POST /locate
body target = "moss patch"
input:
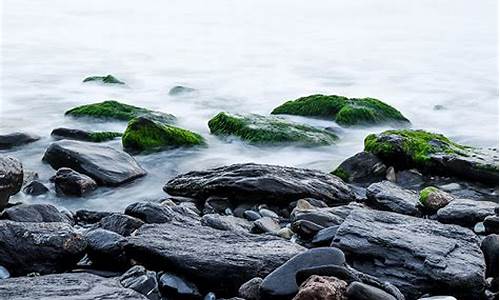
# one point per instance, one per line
(112, 109)
(143, 134)
(108, 79)
(103, 136)
(341, 173)
(259, 129)
(345, 111)
(424, 194)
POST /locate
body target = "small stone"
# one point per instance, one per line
(306, 229)
(479, 228)
(11, 179)
(489, 246)
(175, 287)
(210, 296)
(438, 298)
(35, 213)
(432, 199)
(361, 291)
(142, 281)
(4, 273)
(71, 183)
(267, 224)
(268, 213)
(325, 236)
(216, 205)
(250, 290)
(322, 288)
(35, 188)
(122, 224)
(251, 215)
(106, 248)
(285, 233)
(450, 187)
(390, 174)
(303, 204)
(491, 224)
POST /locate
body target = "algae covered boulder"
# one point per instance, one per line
(433, 153)
(108, 79)
(432, 198)
(257, 129)
(345, 111)
(112, 109)
(144, 134)
(82, 135)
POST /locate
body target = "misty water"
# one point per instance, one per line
(243, 56)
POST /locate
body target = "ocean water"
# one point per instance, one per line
(243, 56)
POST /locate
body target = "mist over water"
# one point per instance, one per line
(243, 56)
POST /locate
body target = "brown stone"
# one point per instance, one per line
(322, 288)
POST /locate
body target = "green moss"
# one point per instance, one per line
(424, 194)
(259, 129)
(109, 79)
(103, 136)
(342, 174)
(143, 134)
(345, 111)
(112, 109)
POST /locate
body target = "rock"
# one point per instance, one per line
(144, 134)
(267, 224)
(11, 178)
(206, 256)
(268, 213)
(435, 154)
(210, 296)
(108, 79)
(82, 135)
(325, 236)
(466, 212)
(285, 233)
(345, 111)
(438, 298)
(361, 291)
(364, 167)
(390, 174)
(226, 222)
(322, 217)
(176, 287)
(250, 290)
(70, 286)
(106, 249)
(4, 273)
(322, 288)
(432, 198)
(83, 216)
(216, 205)
(489, 246)
(306, 229)
(122, 224)
(151, 212)
(251, 215)
(410, 179)
(263, 183)
(180, 90)
(35, 213)
(35, 188)
(434, 257)
(281, 284)
(11, 140)
(479, 228)
(451, 187)
(388, 196)
(104, 164)
(45, 247)
(491, 224)
(114, 110)
(142, 281)
(258, 129)
(72, 183)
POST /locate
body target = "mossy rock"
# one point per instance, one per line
(146, 135)
(257, 129)
(108, 79)
(433, 153)
(82, 135)
(432, 199)
(112, 109)
(345, 111)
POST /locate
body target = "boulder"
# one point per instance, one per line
(322, 288)
(71, 183)
(432, 198)
(83, 216)
(11, 178)
(122, 224)
(108, 79)
(491, 224)
(466, 212)
(489, 246)
(114, 110)
(142, 281)
(106, 165)
(151, 212)
(257, 129)
(325, 236)
(389, 196)
(250, 290)
(260, 183)
(68, 286)
(35, 188)
(35, 213)
(345, 111)
(44, 248)
(433, 257)
(144, 134)
(360, 291)
(226, 222)
(11, 140)
(82, 135)
(175, 287)
(364, 167)
(106, 249)
(180, 90)
(434, 153)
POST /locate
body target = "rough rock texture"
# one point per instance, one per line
(257, 129)
(433, 153)
(417, 255)
(226, 222)
(108, 79)
(71, 183)
(466, 212)
(35, 213)
(142, 281)
(361, 291)
(68, 286)
(45, 248)
(11, 178)
(35, 188)
(250, 290)
(121, 224)
(489, 246)
(432, 198)
(263, 183)
(106, 165)
(322, 288)
(388, 196)
(82, 135)
(151, 212)
(364, 167)
(176, 287)
(105, 249)
(10, 140)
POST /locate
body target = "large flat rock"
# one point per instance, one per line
(417, 255)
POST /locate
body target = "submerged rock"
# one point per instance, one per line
(257, 129)
(180, 90)
(71, 183)
(417, 255)
(322, 288)
(35, 188)
(260, 183)
(112, 109)
(82, 135)
(11, 178)
(108, 79)
(106, 165)
(433, 153)
(11, 140)
(364, 167)
(345, 111)
(35, 213)
(466, 212)
(388, 196)
(144, 134)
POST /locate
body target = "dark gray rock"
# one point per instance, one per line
(489, 246)
(11, 140)
(82, 135)
(325, 236)
(409, 179)
(268, 213)
(120, 223)
(176, 287)
(151, 212)
(388, 196)
(251, 215)
(260, 183)
(35, 213)
(363, 167)
(68, 286)
(106, 165)
(44, 248)
(226, 222)
(180, 90)
(306, 229)
(35, 188)
(71, 183)
(106, 249)
(322, 217)
(84, 216)
(142, 281)
(250, 290)
(466, 212)
(434, 258)
(491, 224)
(281, 283)
(11, 178)
(266, 224)
(361, 291)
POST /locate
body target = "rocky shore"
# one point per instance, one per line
(413, 216)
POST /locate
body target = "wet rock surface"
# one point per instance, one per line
(72, 183)
(14, 139)
(35, 213)
(466, 212)
(11, 178)
(388, 196)
(361, 168)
